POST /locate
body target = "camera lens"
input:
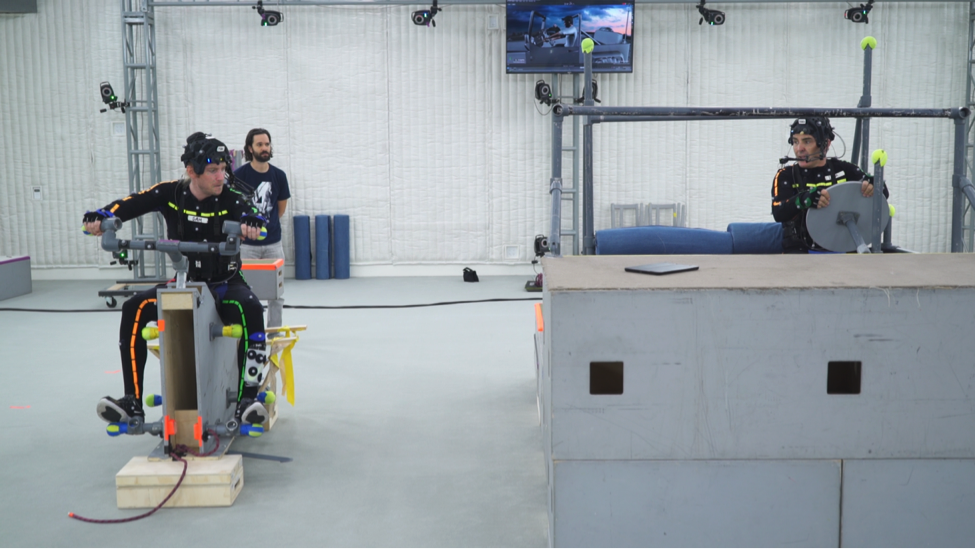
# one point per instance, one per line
(718, 18)
(419, 18)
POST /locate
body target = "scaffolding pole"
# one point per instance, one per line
(142, 125)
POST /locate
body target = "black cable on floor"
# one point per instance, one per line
(411, 306)
(415, 305)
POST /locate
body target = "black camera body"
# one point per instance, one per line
(108, 94)
(857, 15)
(109, 98)
(269, 18)
(711, 17)
(422, 18)
(122, 258)
(543, 93)
(541, 245)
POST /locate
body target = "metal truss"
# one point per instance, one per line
(142, 125)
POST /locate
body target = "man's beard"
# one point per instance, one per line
(263, 156)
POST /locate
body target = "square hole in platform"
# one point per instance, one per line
(605, 378)
(843, 377)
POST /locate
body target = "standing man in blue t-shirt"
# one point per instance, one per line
(271, 200)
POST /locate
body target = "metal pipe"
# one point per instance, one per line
(957, 205)
(877, 230)
(604, 118)
(370, 3)
(759, 112)
(588, 221)
(577, 91)
(862, 137)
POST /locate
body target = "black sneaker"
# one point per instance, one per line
(252, 411)
(121, 410)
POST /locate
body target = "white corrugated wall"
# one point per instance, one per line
(437, 155)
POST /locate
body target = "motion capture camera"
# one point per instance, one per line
(425, 17)
(712, 17)
(543, 93)
(109, 98)
(122, 258)
(108, 94)
(859, 14)
(269, 18)
(541, 245)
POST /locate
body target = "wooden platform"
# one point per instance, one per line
(208, 482)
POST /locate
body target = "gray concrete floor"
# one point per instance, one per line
(411, 427)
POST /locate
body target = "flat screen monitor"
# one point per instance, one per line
(546, 37)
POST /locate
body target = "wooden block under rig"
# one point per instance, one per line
(208, 483)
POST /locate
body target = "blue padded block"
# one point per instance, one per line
(657, 240)
(342, 241)
(756, 238)
(323, 266)
(302, 247)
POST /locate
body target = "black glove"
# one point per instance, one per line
(807, 199)
(96, 215)
(253, 220)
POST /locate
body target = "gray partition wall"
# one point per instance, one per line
(760, 401)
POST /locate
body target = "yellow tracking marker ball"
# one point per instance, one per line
(879, 155)
(870, 42)
(587, 45)
(892, 210)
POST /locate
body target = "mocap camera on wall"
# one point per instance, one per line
(425, 17)
(859, 14)
(712, 17)
(269, 18)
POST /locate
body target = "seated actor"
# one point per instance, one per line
(194, 207)
(805, 183)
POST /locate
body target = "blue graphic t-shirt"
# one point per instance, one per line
(271, 187)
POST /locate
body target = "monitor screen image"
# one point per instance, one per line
(546, 37)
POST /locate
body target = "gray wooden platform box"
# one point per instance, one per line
(15, 278)
(823, 400)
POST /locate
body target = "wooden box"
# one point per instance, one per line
(208, 483)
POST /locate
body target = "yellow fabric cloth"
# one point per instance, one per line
(286, 366)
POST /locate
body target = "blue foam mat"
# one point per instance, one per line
(662, 241)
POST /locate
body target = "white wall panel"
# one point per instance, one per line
(51, 131)
(436, 154)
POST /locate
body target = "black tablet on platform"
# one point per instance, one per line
(661, 268)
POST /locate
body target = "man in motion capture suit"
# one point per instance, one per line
(805, 183)
(194, 207)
